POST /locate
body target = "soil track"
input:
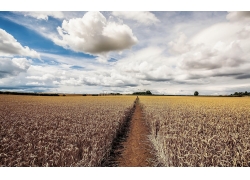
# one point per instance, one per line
(136, 148)
(132, 147)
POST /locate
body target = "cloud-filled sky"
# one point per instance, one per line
(166, 52)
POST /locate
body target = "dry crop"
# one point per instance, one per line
(199, 131)
(59, 131)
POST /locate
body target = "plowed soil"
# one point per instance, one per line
(136, 147)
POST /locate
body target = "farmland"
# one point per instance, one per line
(199, 131)
(153, 131)
(59, 131)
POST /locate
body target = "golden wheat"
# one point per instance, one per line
(59, 131)
(199, 131)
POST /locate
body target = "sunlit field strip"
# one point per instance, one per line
(199, 131)
(59, 131)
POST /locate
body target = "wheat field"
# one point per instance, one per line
(59, 131)
(80, 130)
(199, 131)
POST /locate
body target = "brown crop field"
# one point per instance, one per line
(199, 131)
(124, 131)
(59, 131)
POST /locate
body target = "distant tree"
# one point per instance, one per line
(148, 92)
(196, 93)
(143, 93)
(240, 94)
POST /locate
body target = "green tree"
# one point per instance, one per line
(196, 93)
(148, 92)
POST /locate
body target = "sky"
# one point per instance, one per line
(166, 52)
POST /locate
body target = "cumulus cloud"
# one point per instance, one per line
(179, 45)
(219, 56)
(112, 78)
(215, 55)
(208, 57)
(94, 34)
(219, 46)
(13, 66)
(140, 61)
(44, 77)
(43, 15)
(190, 55)
(143, 17)
(238, 15)
(244, 33)
(224, 32)
(149, 64)
(10, 47)
(66, 76)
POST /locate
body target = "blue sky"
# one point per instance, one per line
(167, 52)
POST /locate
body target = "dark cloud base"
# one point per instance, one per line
(244, 76)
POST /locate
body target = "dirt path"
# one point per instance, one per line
(131, 148)
(136, 149)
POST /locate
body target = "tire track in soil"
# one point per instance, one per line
(132, 149)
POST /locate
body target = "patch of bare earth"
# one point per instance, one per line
(136, 147)
(132, 148)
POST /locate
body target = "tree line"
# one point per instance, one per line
(241, 94)
(142, 93)
(29, 93)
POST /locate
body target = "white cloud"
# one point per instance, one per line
(217, 55)
(93, 34)
(43, 15)
(185, 52)
(143, 17)
(238, 15)
(244, 33)
(64, 59)
(225, 32)
(13, 66)
(218, 46)
(148, 64)
(179, 45)
(62, 76)
(35, 84)
(102, 58)
(44, 77)
(10, 47)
